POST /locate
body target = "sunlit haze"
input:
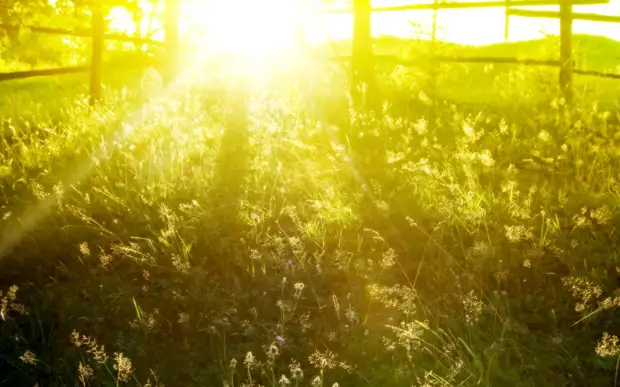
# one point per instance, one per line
(270, 26)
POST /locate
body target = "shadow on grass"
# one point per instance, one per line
(232, 162)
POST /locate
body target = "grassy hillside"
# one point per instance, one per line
(230, 233)
(482, 84)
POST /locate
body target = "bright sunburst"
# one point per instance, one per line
(266, 28)
(246, 27)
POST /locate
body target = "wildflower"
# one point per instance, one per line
(389, 345)
(105, 261)
(28, 357)
(59, 190)
(97, 352)
(581, 221)
(233, 363)
(299, 287)
(473, 308)
(296, 372)
(84, 249)
(516, 233)
(345, 366)
(544, 136)
(486, 158)
(255, 255)
(183, 318)
(316, 382)
(85, 372)
(38, 190)
(122, 366)
(180, 264)
(388, 259)
(351, 315)
(7, 303)
(323, 361)
(76, 339)
(273, 351)
(503, 127)
(250, 360)
(468, 129)
(408, 336)
(556, 340)
(574, 243)
(284, 380)
(608, 346)
(281, 340)
(602, 215)
(583, 290)
(480, 249)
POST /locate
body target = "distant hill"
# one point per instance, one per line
(479, 83)
(591, 52)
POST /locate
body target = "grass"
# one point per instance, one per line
(186, 237)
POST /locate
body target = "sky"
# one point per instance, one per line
(476, 26)
(252, 22)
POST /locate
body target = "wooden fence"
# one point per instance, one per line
(362, 58)
(97, 33)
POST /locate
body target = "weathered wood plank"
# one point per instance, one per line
(452, 59)
(83, 33)
(600, 74)
(43, 73)
(465, 4)
(556, 15)
(96, 61)
(362, 62)
(171, 27)
(566, 51)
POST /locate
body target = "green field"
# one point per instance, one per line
(221, 233)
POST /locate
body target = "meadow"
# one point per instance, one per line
(259, 232)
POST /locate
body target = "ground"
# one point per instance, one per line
(459, 234)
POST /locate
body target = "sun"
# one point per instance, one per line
(245, 27)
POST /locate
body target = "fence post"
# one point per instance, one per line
(362, 61)
(566, 50)
(96, 61)
(434, 33)
(171, 26)
(507, 21)
(433, 73)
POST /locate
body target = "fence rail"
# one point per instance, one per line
(82, 33)
(463, 5)
(450, 59)
(556, 15)
(98, 35)
(43, 73)
(362, 57)
(363, 53)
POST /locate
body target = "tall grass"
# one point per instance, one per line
(213, 235)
